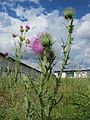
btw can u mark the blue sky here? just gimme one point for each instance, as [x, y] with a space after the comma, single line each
[81, 6]
[47, 16]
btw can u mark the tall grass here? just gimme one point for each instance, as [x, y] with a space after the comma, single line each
[75, 104]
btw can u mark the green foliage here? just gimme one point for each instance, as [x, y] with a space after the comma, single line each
[75, 104]
[1, 113]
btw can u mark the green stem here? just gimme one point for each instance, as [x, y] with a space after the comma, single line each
[18, 57]
[64, 63]
[66, 57]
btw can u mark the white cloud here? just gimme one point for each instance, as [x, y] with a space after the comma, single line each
[33, 12]
[75, 47]
[52, 23]
[11, 5]
[87, 54]
[8, 25]
[84, 29]
[35, 1]
[82, 41]
[28, 14]
[19, 11]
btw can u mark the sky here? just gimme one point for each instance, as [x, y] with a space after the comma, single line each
[47, 16]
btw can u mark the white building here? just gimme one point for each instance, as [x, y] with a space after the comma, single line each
[74, 73]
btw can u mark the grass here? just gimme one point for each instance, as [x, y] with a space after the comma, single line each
[75, 104]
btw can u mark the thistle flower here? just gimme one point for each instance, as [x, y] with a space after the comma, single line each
[14, 35]
[69, 13]
[27, 28]
[24, 28]
[37, 47]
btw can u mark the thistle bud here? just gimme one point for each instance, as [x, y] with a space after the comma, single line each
[21, 28]
[28, 41]
[46, 40]
[69, 13]
[14, 35]
[27, 28]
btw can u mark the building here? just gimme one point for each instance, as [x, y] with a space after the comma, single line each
[6, 62]
[82, 73]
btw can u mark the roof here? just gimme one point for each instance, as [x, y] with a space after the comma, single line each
[12, 58]
[74, 70]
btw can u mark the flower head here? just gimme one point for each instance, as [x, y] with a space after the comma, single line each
[14, 35]
[69, 13]
[36, 46]
[46, 40]
[24, 28]
[21, 28]
[27, 28]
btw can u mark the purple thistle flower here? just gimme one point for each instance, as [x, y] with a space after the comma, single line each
[37, 47]
[27, 28]
[24, 28]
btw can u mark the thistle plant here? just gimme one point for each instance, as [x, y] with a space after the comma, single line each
[21, 40]
[69, 12]
[69, 16]
[42, 46]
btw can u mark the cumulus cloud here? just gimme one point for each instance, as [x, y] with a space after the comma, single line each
[35, 1]
[52, 23]
[84, 29]
[82, 41]
[19, 11]
[8, 25]
[87, 54]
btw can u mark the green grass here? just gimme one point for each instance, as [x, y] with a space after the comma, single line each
[75, 104]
